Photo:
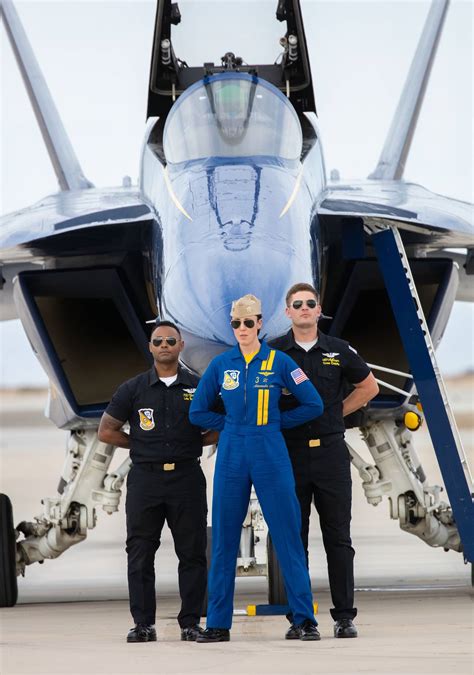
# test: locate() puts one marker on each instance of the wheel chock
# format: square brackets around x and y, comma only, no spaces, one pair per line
[272,610]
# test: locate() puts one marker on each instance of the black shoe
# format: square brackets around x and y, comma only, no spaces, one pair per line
[293,633]
[344,628]
[191,633]
[308,631]
[142,632]
[214,635]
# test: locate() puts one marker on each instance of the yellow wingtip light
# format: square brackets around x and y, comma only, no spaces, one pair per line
[412,421]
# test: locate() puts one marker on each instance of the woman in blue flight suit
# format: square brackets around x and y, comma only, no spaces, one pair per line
[250,378]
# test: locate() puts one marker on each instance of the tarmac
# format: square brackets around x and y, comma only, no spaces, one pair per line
[415,602]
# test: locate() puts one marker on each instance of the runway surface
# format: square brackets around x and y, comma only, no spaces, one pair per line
[415,602]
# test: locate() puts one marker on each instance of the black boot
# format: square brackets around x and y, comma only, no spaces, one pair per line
[142,632]
[214,635]
[344,628]
[308,631]
[191,633]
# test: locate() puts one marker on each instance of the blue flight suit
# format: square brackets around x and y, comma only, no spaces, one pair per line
[252,451]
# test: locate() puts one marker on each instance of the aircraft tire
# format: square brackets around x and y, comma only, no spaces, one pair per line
[208,556]
[276,584]
[8,581]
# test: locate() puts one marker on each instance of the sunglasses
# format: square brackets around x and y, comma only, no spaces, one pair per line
[235,323]
[298,304]
[158,340]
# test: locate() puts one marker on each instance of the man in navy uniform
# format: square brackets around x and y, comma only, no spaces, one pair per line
[165,482]
[318,453]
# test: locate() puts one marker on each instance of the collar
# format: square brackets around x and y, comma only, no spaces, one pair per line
[262,355]
[183,377]
[289,342]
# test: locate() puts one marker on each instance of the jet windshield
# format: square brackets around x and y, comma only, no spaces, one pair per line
[232,115]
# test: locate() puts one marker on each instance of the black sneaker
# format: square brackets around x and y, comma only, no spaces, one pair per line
[293,633]
[308,631]
[142,632]
[191,633]
[344,628]
[214,635]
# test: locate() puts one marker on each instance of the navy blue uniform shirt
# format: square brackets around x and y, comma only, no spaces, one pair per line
[160,430]
[331,365]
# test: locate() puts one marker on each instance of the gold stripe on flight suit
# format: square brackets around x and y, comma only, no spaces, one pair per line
[260,407]
[266,400]
[270,360]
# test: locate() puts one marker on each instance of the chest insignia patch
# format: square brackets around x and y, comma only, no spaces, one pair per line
[147,423]
[231,379]
[188,394]
[330,359]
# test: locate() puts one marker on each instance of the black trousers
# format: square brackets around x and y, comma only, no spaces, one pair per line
[323,476]
[179,497]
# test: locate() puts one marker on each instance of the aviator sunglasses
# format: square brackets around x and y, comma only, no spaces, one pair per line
[298,304]
[235,323]
[170,340]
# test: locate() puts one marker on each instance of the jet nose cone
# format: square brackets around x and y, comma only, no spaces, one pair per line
[202,285]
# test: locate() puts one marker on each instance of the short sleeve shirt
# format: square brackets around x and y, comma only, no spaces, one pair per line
[331,364]
[160,430]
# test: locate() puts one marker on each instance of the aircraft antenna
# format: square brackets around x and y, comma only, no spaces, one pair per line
[391,164]
[63,158]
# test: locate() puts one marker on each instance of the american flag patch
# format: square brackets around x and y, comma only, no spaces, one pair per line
[298,376]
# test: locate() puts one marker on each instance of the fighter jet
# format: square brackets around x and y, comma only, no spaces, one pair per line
[233,198]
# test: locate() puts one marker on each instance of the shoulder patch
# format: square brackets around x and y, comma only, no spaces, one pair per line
[298,376]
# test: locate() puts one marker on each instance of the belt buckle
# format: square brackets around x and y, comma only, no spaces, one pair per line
[168,467]
[314,442]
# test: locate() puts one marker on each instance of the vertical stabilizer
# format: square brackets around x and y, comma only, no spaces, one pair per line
[65,163]
[391,164]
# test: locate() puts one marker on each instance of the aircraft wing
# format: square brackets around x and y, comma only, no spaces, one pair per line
[425,218]
[30,232]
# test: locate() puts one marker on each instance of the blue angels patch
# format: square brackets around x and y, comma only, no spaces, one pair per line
[147,423]
[231,379]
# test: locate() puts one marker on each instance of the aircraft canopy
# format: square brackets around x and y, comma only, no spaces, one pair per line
[232,115]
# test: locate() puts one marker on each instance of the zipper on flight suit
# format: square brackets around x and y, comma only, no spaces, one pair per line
[245,390]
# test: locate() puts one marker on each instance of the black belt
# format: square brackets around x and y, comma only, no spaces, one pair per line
[316,441]
[167,466]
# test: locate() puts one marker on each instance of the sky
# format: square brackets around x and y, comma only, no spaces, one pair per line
[95,57]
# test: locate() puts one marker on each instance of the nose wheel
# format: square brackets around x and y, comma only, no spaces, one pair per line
[8,582]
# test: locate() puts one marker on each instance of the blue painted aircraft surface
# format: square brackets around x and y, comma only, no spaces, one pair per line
[233,198]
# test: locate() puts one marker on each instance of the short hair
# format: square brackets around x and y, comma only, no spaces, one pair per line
[170,324]
[296,288]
